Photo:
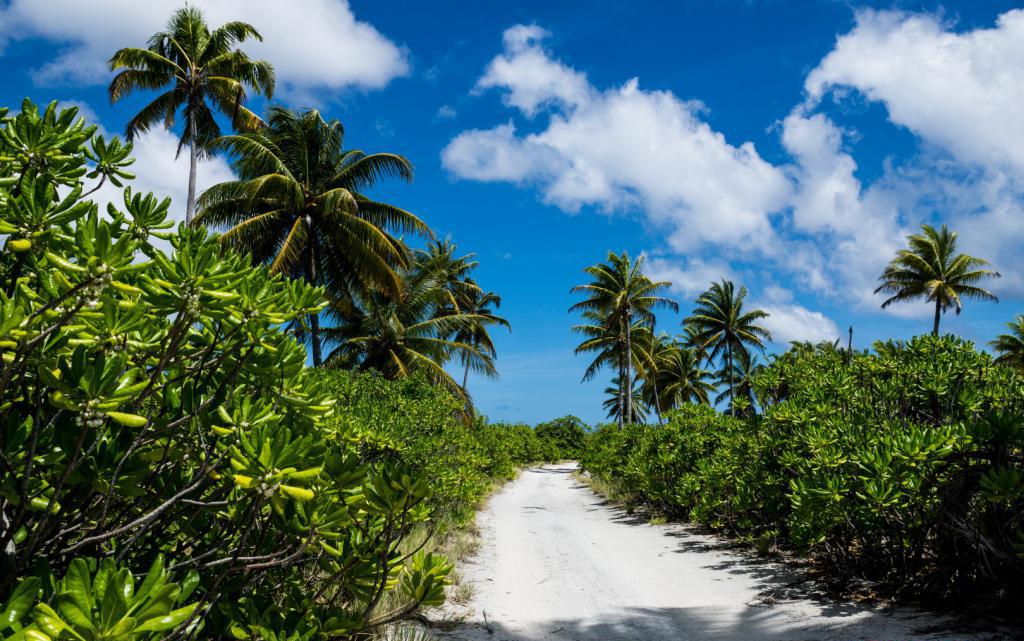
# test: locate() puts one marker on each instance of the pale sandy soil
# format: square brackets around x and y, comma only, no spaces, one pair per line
[558,562]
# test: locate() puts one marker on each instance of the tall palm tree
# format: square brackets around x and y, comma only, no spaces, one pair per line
[607,342]
[719,325]
[932,270]
[201,72]
[482,307]
[614,407]
[620,292]
[1010,346]
[740,380]
[297,206]
[677,377]
[441,256]
[398,335]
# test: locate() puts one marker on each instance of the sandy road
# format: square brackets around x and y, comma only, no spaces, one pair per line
[557,562]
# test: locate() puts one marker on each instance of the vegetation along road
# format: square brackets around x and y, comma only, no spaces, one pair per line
[558,562]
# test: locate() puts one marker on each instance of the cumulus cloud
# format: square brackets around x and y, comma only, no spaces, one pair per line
[690,277]
[960,91]
[622,148]
[793,322]
[531,77]
[313,44]
[812,219]
[788,321]
[156,168]
[856,230]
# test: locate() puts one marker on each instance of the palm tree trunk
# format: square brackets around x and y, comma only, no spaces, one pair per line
[465,377]
[311,275]
[657,396]
[193,159]
[732,385]
[629,367]
[619,401]
[938,314]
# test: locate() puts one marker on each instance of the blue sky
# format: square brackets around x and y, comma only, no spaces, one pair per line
[789,145]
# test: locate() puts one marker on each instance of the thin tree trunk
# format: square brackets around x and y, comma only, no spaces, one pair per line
[629,366]
[657,395]
[938,314]
[465,377]
[620,400]
[728,365]
[314,319]
[190,207]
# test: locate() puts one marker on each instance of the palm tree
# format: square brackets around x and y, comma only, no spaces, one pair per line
[614,407]
[297,206]
[454,271]
[463,295]
[202,72]
[931,269]
[719,325]
[677,377]
[606,341]
[1010,346]
[620,292]
[888,348]
[482,307]
[399,335]
[740,380]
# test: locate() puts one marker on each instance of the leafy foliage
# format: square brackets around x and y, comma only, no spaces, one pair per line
[930,269]
[201,72]
[154,414]
[618,302]
[904,467]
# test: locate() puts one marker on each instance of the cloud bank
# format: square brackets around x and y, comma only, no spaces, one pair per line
[313,44]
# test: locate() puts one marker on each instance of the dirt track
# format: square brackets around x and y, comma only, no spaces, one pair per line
[557,562]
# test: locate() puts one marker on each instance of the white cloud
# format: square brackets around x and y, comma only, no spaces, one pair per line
[689,277]
[960,91]
[856,231]
[313,44]
[620,149]
[446,112]
[788,321]
[497,155]
[814,219]
[531,77]
[156,169]
[793,322]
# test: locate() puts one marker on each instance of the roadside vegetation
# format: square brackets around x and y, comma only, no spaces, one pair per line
[258,424]
[171,467]
[897,469]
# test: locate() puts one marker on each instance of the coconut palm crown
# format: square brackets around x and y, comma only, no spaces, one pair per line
[298,206]
[620,293]
[931,269]
[1009,347]
[200,72]
[720,328]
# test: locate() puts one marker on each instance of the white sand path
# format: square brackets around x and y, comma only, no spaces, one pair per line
[557,562]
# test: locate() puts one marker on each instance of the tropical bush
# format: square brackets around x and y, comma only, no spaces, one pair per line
[563,437]
[904,467]
[416,423]
[153,414]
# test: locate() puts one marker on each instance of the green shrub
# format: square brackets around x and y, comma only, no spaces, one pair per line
[563,437]
[905,467]
[151,405]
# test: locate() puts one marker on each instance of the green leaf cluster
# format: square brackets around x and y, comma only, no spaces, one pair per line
[154,413]
[903,467]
